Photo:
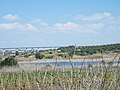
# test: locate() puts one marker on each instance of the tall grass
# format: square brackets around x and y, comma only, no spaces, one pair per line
[103,76]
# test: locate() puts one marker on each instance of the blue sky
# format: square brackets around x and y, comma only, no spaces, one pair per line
[59,22]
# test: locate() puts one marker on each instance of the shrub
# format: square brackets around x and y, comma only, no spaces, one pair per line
[9,61]
[16,53]
[61,55]
[50,52]
[49,57]
[38,55]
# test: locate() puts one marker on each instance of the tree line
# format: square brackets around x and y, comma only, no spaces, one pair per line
[89,50]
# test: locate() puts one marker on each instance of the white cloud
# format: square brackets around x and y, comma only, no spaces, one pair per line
[91,27]
[11,17]
[107,21]
[79,27]
[17,26]
[39,22]
[96,16]
[66,26]
[93,23]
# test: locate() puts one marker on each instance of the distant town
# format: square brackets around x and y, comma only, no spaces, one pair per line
[77,50]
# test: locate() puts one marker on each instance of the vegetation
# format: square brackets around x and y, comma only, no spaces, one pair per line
[101,76]
[9,61]
[39,55]
[16,53]
[71,52]
[98,77]
[89,50]
[49,57]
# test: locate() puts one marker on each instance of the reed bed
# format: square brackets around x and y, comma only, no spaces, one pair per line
[102,76]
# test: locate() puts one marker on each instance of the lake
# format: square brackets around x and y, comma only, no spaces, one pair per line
[66,63]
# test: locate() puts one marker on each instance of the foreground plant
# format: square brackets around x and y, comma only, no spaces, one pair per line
[102,76]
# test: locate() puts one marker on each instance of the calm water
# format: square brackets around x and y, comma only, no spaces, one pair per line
[67,63]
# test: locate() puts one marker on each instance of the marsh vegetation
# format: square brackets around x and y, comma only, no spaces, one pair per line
[103,76]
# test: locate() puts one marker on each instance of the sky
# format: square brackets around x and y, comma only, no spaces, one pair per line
[59,22]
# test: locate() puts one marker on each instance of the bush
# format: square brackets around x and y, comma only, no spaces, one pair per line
[39,55]
[49,57]
[9,61]
[61,55]
[50,52]
[16,53]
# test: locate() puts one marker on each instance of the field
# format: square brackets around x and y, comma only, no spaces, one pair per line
[104,76]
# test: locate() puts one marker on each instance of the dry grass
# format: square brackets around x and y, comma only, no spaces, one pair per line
[31,77]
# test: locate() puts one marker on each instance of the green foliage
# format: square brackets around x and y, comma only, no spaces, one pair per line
[83,78]
[50,52]
[69,50]
[89,50]
[9,61]
[39,55]
[16,53]
[61,55]
[49,57]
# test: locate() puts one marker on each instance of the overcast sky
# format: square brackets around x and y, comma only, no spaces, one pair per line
[59,22]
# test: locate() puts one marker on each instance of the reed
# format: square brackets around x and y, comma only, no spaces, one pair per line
[103,76]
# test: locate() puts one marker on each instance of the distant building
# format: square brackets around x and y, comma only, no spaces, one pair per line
[1,53]
[7,52]
[59,50]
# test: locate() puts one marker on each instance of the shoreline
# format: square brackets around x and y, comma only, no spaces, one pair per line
[65,60]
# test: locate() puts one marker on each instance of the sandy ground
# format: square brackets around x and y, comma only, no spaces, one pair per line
[64,60]
[75,59]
